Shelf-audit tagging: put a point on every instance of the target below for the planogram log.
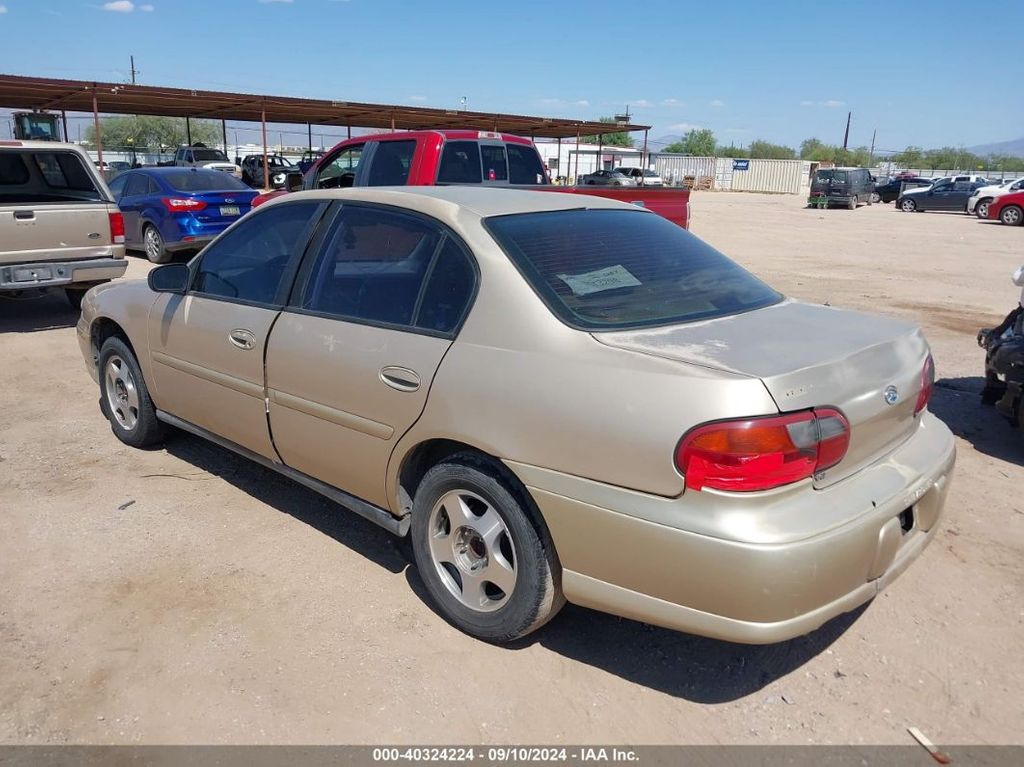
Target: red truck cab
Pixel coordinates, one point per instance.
(431, 157)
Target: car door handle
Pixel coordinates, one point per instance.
(400, 378)
(24, 215)
(242, 338)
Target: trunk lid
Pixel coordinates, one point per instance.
(223, 207)
(54, 231)
(810, 356)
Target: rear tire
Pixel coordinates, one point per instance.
(875, 197)
(124, 397)
(908, 206)
(153, 243)
(1011, 215)
(483, 552)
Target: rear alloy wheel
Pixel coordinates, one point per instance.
(907, 205)
(981, 209)
(484, 556)
(852, 204)
(875, 198)
(1011, 215)
(153, 242)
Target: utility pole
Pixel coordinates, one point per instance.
(871, 154)
(846, 136)
(133, 70)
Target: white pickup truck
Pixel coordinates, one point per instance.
(59, 224)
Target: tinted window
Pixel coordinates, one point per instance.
(13, 170)
(340, 171)
(248, 262)
(942, 187)
(838, 176)
(448, 290)
(391, 163)
(208, 155)
(460, 163)
(611, 269)
(372, 266)
(117, 185)
(136, 185)
(495, 165)
(963, 186)
(524, 166)
(64, 170)
(203, 181)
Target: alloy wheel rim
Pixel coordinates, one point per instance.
(472, 551)
(908, 205)
(152, 244)
(982, 210)
(1011, 215)
(122, 393)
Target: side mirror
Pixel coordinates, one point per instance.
(170, 278)
(294, 181)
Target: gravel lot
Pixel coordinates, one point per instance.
(228, 605)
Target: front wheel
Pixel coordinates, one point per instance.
(153, 242)
(908, 206)
(124, 398)
(875, 198)
(1011, 215)
(852, 204)
(981, 209)
(482, 551)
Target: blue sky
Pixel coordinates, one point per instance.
(928, 73)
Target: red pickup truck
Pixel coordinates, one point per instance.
(429, 157)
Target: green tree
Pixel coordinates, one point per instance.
(144, 132)
(911, 157)
(616, 138)
(731, 151)
(700, 142)
(765, 150)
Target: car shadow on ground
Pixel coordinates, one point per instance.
(682, 665)
(33, 311)
(957, 401)
(347, 528)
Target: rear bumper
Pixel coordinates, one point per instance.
(754, 592)
(60, 273)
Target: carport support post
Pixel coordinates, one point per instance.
(576, 176)
(349, 127)
(558, 160)
(600, 148)
(188, 131)
(64, 119)
(643, 156)
(266, 163)
(96, 125)
(309, 130)
(224, 133)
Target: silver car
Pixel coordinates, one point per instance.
(557, 403)
(607, 178)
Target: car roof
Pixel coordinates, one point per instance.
(447, 202)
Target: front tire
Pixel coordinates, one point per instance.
(153, 243)
(124, 397)
(981, 209)
(875, 198)
(908, 206)
(482, 551)
(852, 204)
(1011, 215)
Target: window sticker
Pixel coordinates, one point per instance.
(609, 278)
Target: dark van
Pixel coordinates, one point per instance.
(841, 186)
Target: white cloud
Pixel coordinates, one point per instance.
(684, 127)
(641, 103)
(416, 98)
(830, 103)
(3, 9)
(147, 8)
(717, 103)
(120, 6)
(581, 103)
(671, 103)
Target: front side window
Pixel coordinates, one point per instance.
(617, 269)
(372, 266)
(340, 171)
(391, 163)
(249, 262)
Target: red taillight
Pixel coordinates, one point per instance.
(116, 228)
(762, 453)
(927, 385)
(182, 204)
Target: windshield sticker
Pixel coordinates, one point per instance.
(603, 279)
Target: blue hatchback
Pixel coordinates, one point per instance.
(168, 210)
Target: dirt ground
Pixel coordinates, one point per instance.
(183, 595)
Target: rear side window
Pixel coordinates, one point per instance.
(617, 269)
(137, 185)
(64, 170)
(460, 163)
(448, 291)
(249, 262)
(495, 164)
(391, 163)
(524, 166)
(13, 171)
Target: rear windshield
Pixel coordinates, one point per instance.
(204, 181)
(524, 165)
(617, 269)
(208, 155)
(838, 176)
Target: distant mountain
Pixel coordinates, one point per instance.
(1014, 148)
